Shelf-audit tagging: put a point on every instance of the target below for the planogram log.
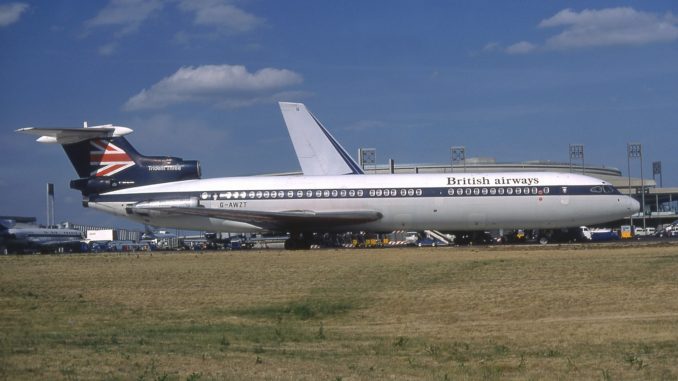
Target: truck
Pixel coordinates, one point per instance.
(106, 235)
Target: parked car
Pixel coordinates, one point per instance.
(428, 241)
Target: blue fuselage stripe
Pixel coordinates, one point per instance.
(358, 193)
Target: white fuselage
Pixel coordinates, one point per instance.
(448, 202)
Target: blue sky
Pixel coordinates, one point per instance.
(200, 80)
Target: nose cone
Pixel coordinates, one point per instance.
(632, 205)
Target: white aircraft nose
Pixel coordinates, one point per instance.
(632, 205)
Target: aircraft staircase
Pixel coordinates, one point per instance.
(438, 235)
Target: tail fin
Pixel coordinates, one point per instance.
(101, 157)
(317, 150)
(106, 161)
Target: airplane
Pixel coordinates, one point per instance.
(21, 234)
(168, 191)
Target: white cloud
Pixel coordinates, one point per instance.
(127, 14)
(238, 102)
(220, 85)
(220, 17)
(611, 26)
(220, 14)
(521, 47)
(602, 27)
(11, 12)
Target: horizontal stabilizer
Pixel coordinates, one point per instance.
(74, 135)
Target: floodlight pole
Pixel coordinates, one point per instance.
(368, 156)
(50, 205)
(577, 152)
(628, 166)
(642, 187)
(635, 150)
(458, 154)
(657, 170)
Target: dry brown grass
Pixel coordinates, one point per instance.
(580, 312)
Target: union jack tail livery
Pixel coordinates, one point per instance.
(105, 160)
(110, 158)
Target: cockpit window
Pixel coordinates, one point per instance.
(608, 189)
(597, 189)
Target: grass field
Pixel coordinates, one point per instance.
(579, 312)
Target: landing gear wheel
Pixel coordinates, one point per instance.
(298, 242)
(543, 240)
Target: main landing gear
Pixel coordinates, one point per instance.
(299, 241)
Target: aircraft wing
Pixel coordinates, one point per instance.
(281, 221)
